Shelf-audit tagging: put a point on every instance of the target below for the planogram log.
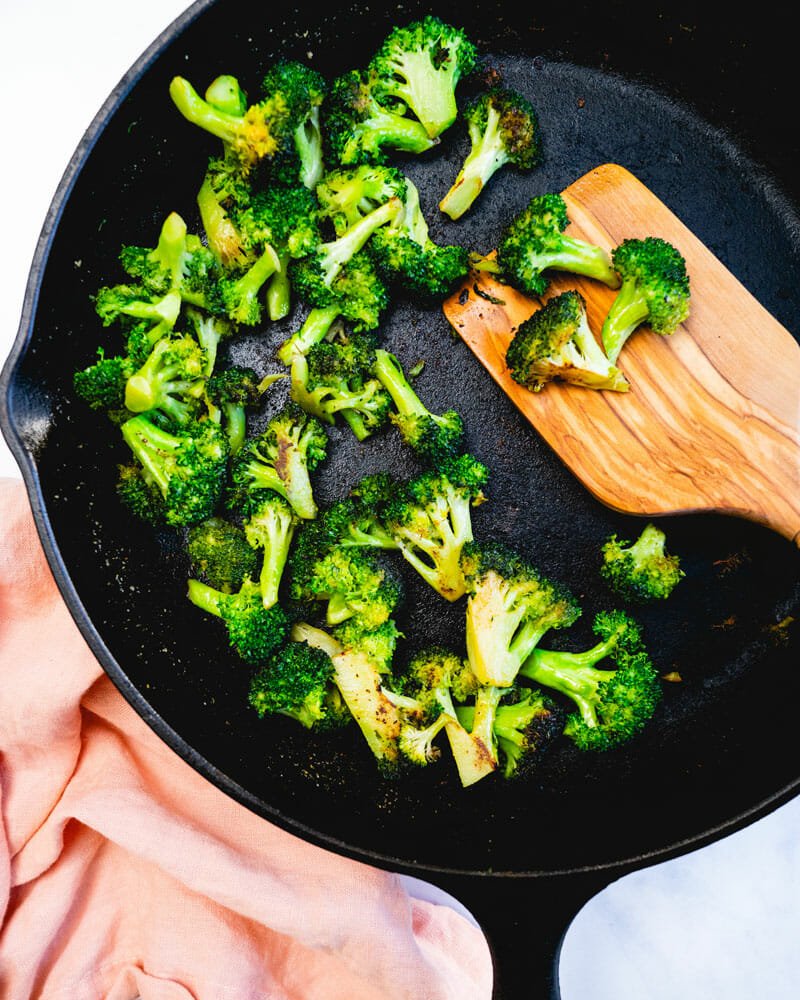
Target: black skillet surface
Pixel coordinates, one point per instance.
(718, 755)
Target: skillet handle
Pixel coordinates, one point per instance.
(524, 919)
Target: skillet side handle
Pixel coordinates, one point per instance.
(525, 919)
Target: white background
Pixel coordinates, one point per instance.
(722, 922)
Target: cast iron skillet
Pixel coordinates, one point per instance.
(695, 109)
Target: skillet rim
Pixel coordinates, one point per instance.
(27, 462)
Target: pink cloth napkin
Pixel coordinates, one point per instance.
(124, 873)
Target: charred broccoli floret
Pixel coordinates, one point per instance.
(189, 465)
(359, 128)
(556, 342)
(614, 705)
(534, 242)
(654, 290)
(503, 131)
(254, 632)
(282, 458)
(420, 65)
(430, 517)
(220, 554)
(642, 570)
(434, 437)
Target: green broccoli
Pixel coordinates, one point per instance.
(189, 465)
(254, 632)
(503, 130)
(406, 255)
(430, 518)
(654, 290)
(613, 706)
(335, 377)
(297, 682)
(509, 608)
(160, 269)
(303, 90)
(241, 293)
(229, 392)
(172, 380)
(140, 495)
(421, 64)
(282, 458)
(269, 526)
(102, 384)
(346, 194)
(224, 193)
(556, 342)
(534, 242)
(359, 128)
(643, 570)
(522, 729)
(357, 296)
(255, 135)
(434, 438)
(220, 554)
(113, 302)
(362, 662)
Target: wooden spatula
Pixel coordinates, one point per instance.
(712, 418)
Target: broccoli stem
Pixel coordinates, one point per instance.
(279, 291)
(205, 597)
(487, 699)
(150, 444)
(337, 253)
(276, 552)
(314, 329)
(573, 674)
(251, 282)
(308, 143)
(484, 159)
(628, 310)
(192, 106)
(224, 239)
(235, 425)
(316, 637)
(388, 370)
(356, 424)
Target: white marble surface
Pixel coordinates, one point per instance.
(721, 922)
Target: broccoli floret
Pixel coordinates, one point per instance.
(335, 377)
(257, 134)
(509, 608)
(171, 380)
(270, 526)
(434, 438)
(229, 393)
(613, 706)
(241, 294)
(556, 342)
(113, 302)
(298, 682)
(358, 128)
(189, 465)
(643, 570)
(140, 495)
(303, 90)
(407, 256)
(209, 332)
(503, 130)
(361, 663)
(313, 277)
(534, 242)
(358, 296)
(421, 64)
(522, 729)
(282, 458)
(159, 269)
(346, 194)
(654, 290)
(223, 193)
(430, 518)
(102, 384)
(430, 675)
(254, 632)
(351, 582)
(357, 520)
(220, 554)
